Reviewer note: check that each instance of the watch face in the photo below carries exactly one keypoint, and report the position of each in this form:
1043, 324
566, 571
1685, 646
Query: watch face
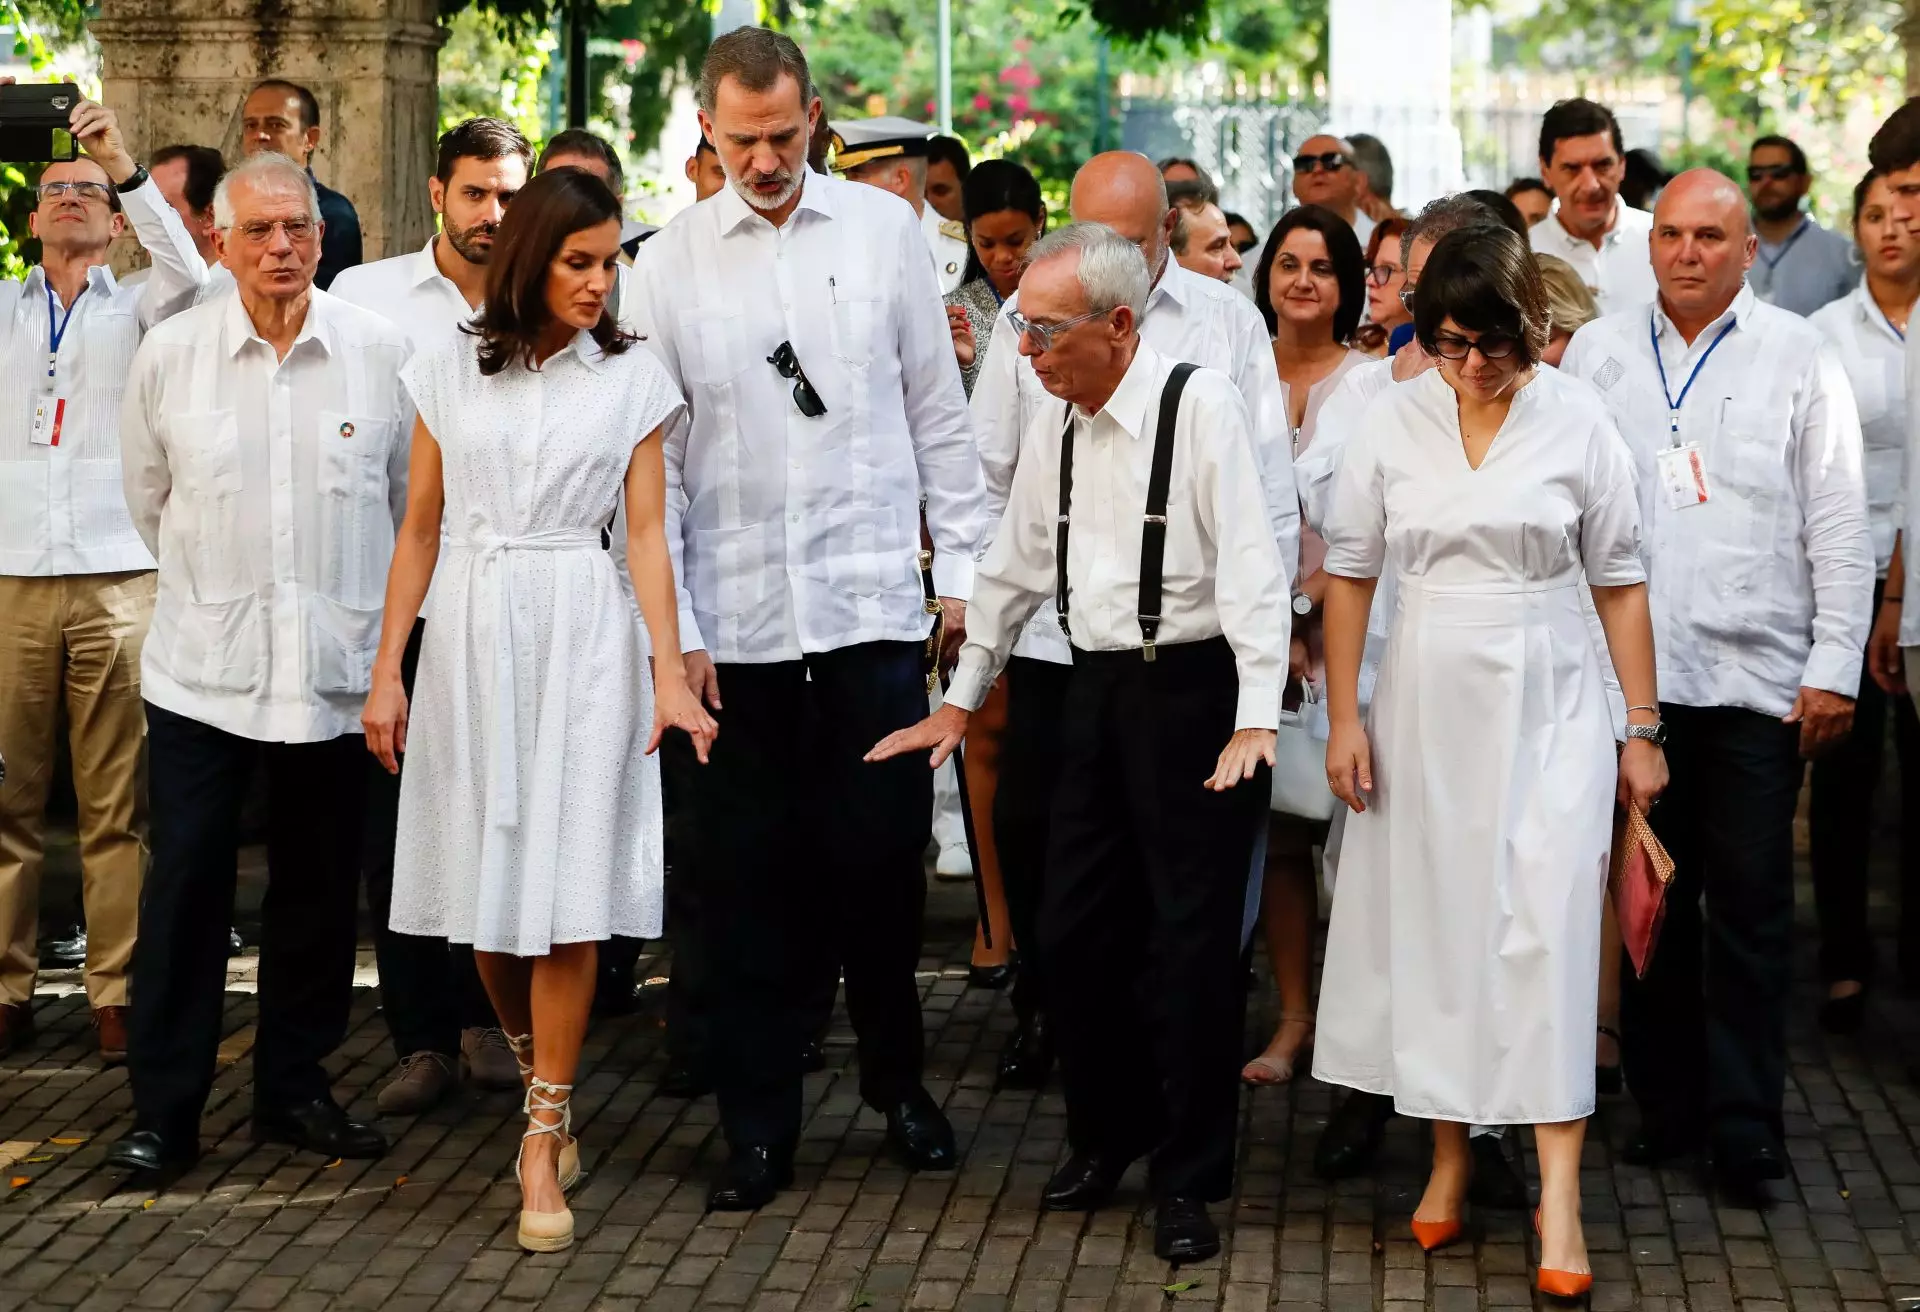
1303, 605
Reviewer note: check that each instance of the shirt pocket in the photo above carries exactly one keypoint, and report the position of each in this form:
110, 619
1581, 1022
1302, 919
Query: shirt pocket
862, 552
1757, 485
730, 571
353, 454
857, 314
214, 646
203, 454
341, 641
713, 347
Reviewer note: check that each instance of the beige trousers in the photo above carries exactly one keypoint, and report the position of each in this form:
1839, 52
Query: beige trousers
76, 637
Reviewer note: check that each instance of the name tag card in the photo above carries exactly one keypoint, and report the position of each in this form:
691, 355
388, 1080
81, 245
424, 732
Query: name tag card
1683, 474
49, 414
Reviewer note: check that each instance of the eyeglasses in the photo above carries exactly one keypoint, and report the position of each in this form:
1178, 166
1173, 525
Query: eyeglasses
1382, 274
1333, 161
1771, 172
1045, 334
259, 234
788, 364
1492, 346
1406, 298
81, 190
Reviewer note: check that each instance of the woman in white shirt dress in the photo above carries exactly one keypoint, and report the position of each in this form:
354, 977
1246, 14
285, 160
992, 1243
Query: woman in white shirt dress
1463, 956
530, 808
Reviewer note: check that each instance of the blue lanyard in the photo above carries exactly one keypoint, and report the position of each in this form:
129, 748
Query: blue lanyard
56, 332
1673, 405
1785, 246
1889, 322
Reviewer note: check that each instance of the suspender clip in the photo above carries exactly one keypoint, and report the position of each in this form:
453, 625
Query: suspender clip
1146, 651
1155, 519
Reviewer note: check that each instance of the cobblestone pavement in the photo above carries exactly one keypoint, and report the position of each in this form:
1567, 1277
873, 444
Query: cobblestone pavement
432, 1224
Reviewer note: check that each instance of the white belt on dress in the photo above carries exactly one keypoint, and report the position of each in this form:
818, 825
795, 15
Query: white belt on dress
503, 755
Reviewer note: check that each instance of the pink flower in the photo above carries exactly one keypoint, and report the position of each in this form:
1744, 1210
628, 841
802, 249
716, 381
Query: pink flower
1017, 105
981, 101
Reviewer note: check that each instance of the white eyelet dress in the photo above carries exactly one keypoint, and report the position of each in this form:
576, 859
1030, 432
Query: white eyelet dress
529, 811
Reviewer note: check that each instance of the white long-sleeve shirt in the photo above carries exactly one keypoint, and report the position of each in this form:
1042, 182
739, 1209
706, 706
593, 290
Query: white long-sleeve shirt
1188, 319
793, 534
1766, 587
1222, 572
62, 510
1873, 353
269, 491
1619, 271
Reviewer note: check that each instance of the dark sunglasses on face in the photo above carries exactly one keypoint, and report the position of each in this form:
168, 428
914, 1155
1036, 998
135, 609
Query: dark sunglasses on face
1492, 346
788, 364
1771, 172
1333, 161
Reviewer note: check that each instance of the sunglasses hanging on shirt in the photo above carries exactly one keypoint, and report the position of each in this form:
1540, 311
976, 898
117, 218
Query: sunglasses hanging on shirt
788, 364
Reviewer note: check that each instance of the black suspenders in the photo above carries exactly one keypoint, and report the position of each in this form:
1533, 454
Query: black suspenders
1153, 531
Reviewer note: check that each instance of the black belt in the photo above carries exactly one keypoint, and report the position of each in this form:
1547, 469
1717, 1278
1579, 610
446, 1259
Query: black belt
1153, 531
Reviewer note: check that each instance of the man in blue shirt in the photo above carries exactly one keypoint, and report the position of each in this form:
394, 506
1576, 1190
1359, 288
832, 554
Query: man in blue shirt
284, 117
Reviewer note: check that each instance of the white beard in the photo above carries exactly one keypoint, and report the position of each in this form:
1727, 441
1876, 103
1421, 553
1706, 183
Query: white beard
760, 202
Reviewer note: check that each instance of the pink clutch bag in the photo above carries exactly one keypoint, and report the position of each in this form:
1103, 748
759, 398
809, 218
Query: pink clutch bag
1642, 870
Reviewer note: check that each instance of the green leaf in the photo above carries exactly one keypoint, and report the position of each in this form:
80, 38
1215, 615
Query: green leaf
1180, 1287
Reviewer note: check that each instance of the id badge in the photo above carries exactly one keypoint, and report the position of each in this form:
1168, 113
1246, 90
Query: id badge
49, 415
1683, 474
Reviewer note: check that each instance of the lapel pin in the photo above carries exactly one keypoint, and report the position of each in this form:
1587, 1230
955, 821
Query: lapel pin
346, 429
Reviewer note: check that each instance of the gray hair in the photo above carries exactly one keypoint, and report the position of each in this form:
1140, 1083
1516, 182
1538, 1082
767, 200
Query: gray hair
267, 166
1112, 270
1442, 216
1371, 158
756, 58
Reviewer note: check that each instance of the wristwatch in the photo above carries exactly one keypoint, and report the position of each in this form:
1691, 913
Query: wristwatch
135, 182
1302, 604
1653, 733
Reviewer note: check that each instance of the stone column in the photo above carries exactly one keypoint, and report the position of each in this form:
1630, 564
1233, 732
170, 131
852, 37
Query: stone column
178, 70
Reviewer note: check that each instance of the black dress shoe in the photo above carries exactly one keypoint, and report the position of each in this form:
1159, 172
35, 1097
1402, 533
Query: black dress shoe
143, 1150
1027, 1058
750, 1179
919, 1132
69, 949
1085, 1183
812, 1057
1844, 1015
1183, 1232
684, 1079
318, 1127
1659, 1141
1744, 1156
1352, 1137
990, 977
1495, 1183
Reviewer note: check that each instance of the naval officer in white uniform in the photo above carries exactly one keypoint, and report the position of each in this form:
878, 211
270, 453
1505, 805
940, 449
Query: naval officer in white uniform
891, 153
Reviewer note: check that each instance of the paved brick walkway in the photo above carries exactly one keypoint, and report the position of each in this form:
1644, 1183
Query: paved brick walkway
431, 1225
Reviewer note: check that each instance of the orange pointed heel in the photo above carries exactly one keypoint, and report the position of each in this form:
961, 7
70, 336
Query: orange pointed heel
1568, 1285
1436, 1234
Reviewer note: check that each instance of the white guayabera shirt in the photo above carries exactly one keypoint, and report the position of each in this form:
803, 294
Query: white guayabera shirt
1767, 586
1873, 353
794, 534
270, 491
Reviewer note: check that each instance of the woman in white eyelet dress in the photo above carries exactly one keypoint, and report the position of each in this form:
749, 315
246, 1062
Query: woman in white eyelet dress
529, 820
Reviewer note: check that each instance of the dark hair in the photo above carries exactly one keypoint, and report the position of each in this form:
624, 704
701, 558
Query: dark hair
1371, 157
1343, 250
991, 186
1521, 186
480, 138
1233, 218
204, 167
1577, 118
1896, 144
1189, 198
1860, 190
953, 151
551, 208
1503, 209
1796, 157
579, 141
1483, 278
309, 107
706, 146
1644, 176
755, 57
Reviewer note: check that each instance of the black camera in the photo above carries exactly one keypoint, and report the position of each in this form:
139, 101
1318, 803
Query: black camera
33, 122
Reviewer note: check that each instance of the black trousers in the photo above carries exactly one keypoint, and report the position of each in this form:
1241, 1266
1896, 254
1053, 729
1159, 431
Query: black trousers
687, 987
791, 819
316, 795
1704, 1035
429, 989
1840, 821
1023, 811
1145, 864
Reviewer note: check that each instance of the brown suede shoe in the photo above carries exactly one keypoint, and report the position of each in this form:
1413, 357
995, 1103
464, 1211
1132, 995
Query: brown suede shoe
16, 1026
110, 1023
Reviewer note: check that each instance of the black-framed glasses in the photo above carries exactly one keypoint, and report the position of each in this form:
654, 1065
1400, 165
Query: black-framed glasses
1332, 161
1492, 346
1771, 172
1045, 334
79, 190
788, 364
1382, 274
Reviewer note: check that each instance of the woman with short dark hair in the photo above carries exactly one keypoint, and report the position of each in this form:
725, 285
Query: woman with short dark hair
1462, 962
1311, 289
530, 808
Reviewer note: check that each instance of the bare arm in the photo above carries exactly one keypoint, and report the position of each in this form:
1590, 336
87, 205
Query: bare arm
416, 550
1344, 630
650, 564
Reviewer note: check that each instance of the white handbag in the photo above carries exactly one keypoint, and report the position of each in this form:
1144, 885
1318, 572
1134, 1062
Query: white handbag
1300, 761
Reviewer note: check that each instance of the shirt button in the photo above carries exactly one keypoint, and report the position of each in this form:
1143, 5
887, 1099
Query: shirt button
793, 519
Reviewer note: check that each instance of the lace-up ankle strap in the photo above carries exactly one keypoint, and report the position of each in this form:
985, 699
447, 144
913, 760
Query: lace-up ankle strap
522, 1045
538, 1100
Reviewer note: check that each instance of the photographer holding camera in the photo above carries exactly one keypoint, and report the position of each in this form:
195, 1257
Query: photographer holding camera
76, 583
